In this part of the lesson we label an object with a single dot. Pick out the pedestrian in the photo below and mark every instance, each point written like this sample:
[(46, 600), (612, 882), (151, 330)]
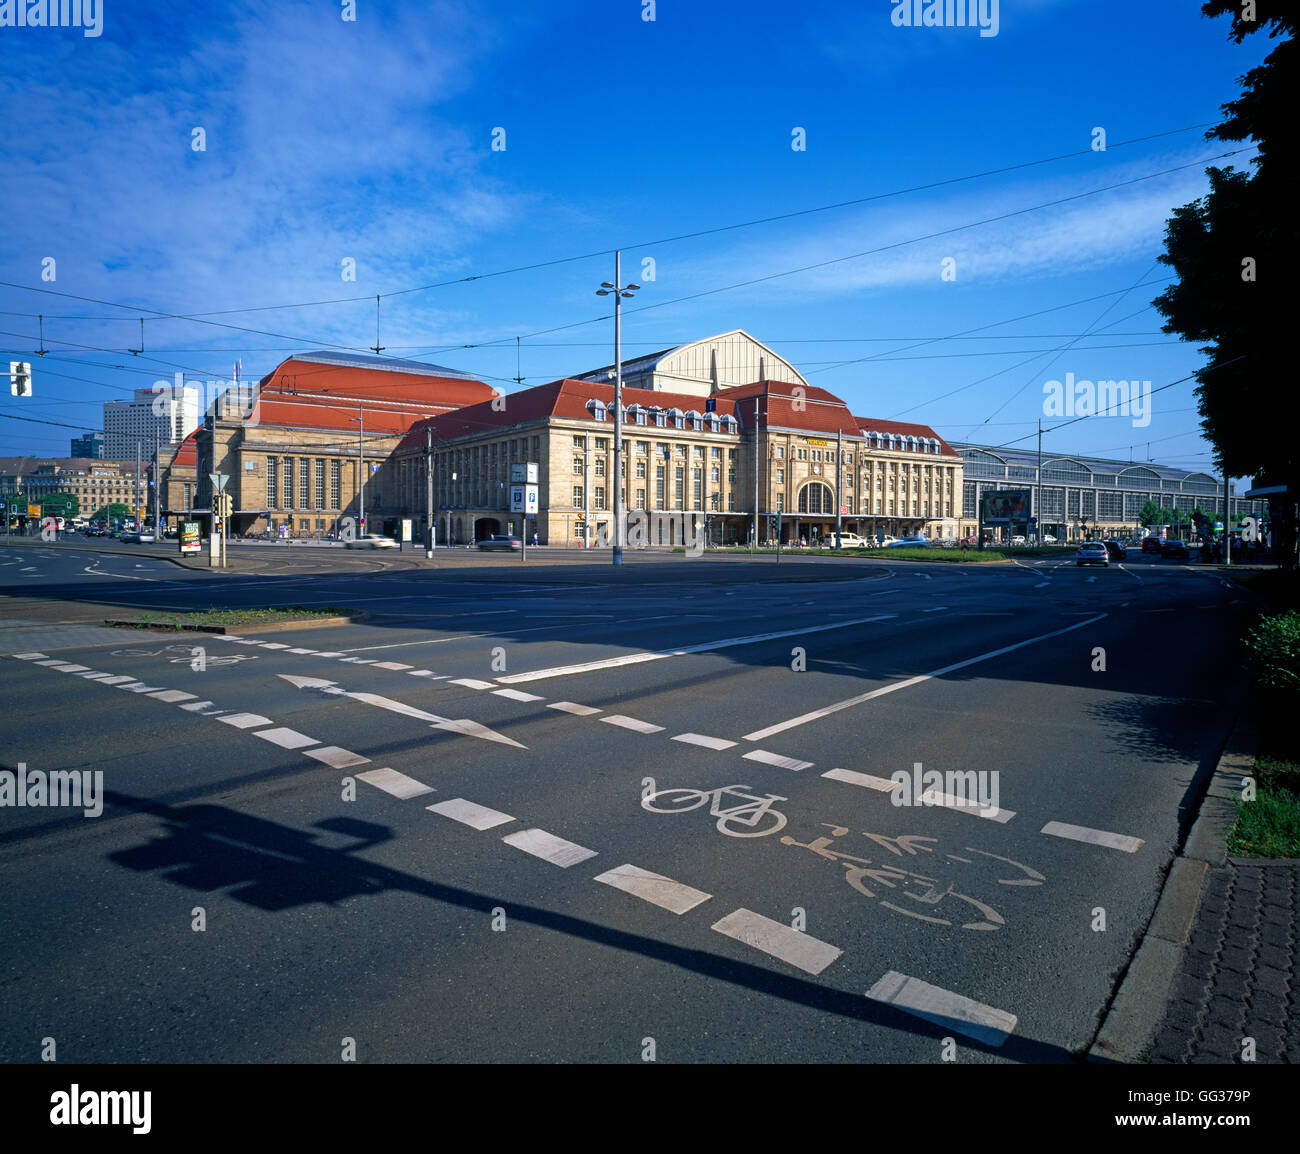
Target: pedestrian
[(534, 537)]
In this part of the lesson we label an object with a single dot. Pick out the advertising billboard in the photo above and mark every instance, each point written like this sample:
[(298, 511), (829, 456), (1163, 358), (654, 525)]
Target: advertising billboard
[(1004, 507), (190, 537)]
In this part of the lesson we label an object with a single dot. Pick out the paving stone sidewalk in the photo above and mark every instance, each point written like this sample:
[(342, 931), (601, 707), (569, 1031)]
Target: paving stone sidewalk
[(1238, 977)]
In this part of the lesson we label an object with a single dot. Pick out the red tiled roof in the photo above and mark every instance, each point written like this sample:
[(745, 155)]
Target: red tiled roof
[(187, 453), (905, 429)]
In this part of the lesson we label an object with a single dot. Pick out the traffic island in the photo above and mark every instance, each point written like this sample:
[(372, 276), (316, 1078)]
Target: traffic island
[(241, 620)]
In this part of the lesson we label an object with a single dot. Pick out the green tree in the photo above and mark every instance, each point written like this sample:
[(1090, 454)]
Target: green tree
[(60, 505), (1151, 514), (1233, 251)]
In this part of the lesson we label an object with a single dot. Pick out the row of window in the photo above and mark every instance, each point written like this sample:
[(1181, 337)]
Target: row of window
[(666, 418), (280, 483)]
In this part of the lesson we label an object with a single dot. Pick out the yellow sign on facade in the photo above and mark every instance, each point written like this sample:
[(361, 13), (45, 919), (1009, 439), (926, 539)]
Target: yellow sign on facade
[(33, 510), (811, 441)]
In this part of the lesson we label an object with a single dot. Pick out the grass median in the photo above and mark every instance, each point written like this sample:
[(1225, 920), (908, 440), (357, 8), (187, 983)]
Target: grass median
[(221, 618)]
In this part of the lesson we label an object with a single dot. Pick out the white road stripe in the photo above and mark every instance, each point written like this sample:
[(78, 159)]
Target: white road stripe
[(883, 784), (518, 695), (817, 714), (397, 665), (548, 847), (573, 707), (420, 673), (274, 645), (631, 723), (172, 696), (195, 706), (74, 668), (936, 609), (654, 888), (53, 663), (952, 1011), (140, 687), (358, 661), (777, 760), (95, 675), (303, 651), (245, 720), (397, 784), (467, 813), (702, 739), (776, 938), (28, 656), (659, 655), (951, 801), (119, 679), (285, 738), (472, 683), (1093, 836), (1041, 584), (322, 653), (333, 755)]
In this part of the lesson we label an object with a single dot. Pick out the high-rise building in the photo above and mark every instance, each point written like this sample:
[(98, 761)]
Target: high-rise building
[(169, 413), (90, 446)]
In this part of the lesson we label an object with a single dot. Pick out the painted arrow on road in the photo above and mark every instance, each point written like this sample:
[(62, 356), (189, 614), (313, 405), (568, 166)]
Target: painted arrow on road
[(462, 726)]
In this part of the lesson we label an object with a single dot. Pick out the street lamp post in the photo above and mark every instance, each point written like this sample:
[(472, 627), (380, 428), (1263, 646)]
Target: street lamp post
[(361, 468), (619, 291)]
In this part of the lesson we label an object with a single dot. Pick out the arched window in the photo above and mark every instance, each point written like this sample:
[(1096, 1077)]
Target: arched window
[(816, 498)]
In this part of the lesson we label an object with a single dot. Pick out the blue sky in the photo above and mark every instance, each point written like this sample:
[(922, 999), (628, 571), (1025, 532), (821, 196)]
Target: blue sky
[(371, 140)]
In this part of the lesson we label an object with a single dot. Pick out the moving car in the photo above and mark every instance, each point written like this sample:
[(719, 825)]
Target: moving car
[(885, 539), (1150, 544), (1017, 541), (512, 544), (1048, 539), (851, 541), (144, 537), (1116, 550), (1092, 553), (1175, 549), (371, 541), (909, 542)]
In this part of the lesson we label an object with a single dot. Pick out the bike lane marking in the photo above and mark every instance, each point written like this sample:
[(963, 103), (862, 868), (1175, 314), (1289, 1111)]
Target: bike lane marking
[(826, 711), (777, 760), (470, 813), (548, 847), (395, 783), (335, 756), (945, 1008), (795, 947), (675, 897), (1099, 837)]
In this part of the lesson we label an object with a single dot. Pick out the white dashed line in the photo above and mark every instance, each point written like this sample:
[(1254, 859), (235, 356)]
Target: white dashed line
[(322, 653), (518, 695), (140, 687), (1093, 836), (467, 813), (548, 847), (285, 738), (74, 668), (420, 673), (936, 609), (777, 760), (118, 679), (397, 665), (392, 782), (944, 1008), (868, 781), (473, 683), (303, 651), (950, 801), (52, 662), (654, 888), (245, 720), (702, 739), (196, 706), (173, 696), (334, 756), (574, 708), (358, 661), (28, 656), (274, 645), (631, 723), (798, 949), (1042, 584)]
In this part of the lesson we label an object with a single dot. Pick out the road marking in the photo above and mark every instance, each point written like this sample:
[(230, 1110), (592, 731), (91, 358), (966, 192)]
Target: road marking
[(518, 695), (631, 723), (654, 888), (463, 726), (336, 757), (303, 651), (195, 706), (285, 738), (951, 801), (420, 673), (936, 609), (1041, 584), (953, 1011), (472, 683), (323, 653), (245, 720), (28, 656), (867, 780), (173, 696), (573, 707), (777, 760), (274, 645), (817, 714), (94, 675), (53, 662), (359, 660), (548, 847), (467, 813), (798, 949), (397, 665), (117, 680), (705, 647), (1093, 836), (397, 784), (73, 668), (140, 687), (707, 742)]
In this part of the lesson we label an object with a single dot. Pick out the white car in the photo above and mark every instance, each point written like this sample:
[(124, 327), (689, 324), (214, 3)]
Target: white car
[(1017, 541), (1048, 539), (371, 541), (851, 541)]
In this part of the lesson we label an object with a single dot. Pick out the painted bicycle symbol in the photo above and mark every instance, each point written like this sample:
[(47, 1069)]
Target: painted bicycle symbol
[(927, 892), (186, 655), (752, 810)]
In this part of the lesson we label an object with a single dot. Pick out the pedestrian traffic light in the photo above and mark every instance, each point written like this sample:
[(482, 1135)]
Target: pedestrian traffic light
[(20, 378)]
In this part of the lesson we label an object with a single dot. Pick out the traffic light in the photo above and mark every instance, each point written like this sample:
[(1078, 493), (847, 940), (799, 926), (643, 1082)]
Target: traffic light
[(225, 506), (20, 378)]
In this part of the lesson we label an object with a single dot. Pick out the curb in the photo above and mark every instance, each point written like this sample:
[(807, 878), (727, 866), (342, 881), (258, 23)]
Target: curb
[(1140, 1002), (252, 627)]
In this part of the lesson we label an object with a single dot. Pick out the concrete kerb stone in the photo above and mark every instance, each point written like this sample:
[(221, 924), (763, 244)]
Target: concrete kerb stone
[(1142, 999)]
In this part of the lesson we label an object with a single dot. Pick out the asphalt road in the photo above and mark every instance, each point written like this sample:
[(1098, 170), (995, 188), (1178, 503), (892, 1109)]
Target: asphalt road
[(552, 704)]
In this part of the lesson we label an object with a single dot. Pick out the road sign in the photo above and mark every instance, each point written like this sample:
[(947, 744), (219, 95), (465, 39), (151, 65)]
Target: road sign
[(523, 473), (523, 499), (219, 480)]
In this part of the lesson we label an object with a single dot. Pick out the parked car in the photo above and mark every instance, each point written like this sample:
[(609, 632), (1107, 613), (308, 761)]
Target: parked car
[(371, 541), (1048, 539), (885, 539), (1150, 544), (1092, 553), (512, 544), (851, 541), (1017, 541), (1175, 549), (1116, 550)]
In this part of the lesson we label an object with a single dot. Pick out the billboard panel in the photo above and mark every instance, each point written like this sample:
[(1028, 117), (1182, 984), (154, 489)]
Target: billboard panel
[(1004, 506)]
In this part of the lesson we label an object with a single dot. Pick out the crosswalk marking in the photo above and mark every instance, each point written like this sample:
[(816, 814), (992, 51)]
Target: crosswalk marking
[(467, 813), (392, 782), (548, 847), (573, 707), (866, 780), (630, 723), (777, 760), (654, 888), (952, 1011), (336, 757), (302, 651), (140, 687), (421, 673), (274, 645), (776, 938), (1093, 836), (285, 738), (704, 740), (28, 656)]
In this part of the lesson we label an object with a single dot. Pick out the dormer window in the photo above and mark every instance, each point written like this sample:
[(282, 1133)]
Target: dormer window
[(597, 409)]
